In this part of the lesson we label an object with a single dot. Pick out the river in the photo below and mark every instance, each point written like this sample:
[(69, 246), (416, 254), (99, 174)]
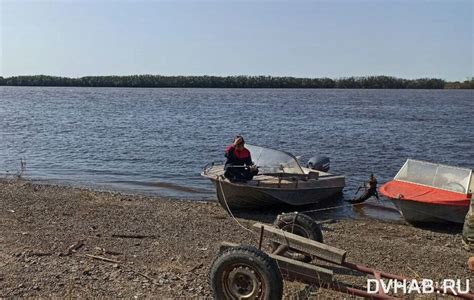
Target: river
[(156, 141)]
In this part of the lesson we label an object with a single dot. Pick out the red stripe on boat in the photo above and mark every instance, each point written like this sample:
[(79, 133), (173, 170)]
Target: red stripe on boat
[(410, 191)]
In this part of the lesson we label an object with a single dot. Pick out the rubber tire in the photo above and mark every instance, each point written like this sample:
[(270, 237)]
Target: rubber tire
[(260, 261), (309, 224)]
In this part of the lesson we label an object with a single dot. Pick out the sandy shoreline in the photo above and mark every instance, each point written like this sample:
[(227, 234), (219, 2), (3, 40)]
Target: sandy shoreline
[(173, 244)]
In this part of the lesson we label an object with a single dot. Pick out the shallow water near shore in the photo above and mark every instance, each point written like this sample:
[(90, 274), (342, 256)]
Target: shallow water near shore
[(156, 141)]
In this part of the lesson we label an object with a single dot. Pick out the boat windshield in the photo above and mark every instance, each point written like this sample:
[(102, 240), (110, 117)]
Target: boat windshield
[(435, 175), (273, 161)]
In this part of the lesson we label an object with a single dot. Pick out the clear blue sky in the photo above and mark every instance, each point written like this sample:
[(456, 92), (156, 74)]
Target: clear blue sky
[(407, 39)]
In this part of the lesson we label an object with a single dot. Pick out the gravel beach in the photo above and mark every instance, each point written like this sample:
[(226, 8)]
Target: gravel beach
[(60, 241)]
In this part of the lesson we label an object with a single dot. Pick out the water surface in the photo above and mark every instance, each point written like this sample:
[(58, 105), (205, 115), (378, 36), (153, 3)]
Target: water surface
[(156, 141)]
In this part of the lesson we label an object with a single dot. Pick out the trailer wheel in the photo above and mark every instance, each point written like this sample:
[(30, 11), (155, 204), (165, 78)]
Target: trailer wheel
[(245, 272), (302, 225)]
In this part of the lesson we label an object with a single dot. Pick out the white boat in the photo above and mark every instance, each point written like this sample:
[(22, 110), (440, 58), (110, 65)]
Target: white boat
[(281, 181), (430, 193)]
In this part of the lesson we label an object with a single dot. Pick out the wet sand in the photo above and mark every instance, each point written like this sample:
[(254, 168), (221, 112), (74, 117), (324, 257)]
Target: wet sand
[(158, 247)]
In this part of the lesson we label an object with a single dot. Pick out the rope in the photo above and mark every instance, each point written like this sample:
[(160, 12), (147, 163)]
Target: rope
[(219, 178), (228, 208), (424, 212), (330, 208), (305, 211)]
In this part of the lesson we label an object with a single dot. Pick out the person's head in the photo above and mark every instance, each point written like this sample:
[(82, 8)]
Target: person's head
[(239, 142)]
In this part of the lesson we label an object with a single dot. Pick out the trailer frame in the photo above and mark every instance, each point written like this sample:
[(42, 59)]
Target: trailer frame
[(294, 270)]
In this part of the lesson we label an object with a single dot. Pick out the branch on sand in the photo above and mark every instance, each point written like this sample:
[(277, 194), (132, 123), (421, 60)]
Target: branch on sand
[(103, 258), (105, 251), (132, 236), (152, 280), (73, 248)]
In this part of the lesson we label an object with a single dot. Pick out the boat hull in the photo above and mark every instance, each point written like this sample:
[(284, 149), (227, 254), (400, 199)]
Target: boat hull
[(422, 212), (244, 196)]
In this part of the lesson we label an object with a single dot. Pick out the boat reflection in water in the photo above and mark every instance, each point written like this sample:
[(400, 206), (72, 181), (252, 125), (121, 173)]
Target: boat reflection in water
[(281, 181)]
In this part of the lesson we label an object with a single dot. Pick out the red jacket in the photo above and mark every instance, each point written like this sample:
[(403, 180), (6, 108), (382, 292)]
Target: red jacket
[(236, 157)]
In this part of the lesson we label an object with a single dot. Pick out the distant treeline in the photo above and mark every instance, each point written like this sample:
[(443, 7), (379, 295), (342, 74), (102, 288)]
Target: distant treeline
[(467, 84), (159, 81)]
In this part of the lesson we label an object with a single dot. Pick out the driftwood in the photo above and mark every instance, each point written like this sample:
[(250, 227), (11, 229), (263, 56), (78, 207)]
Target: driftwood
[(198, 266), (38, 253), (132, 236), (102, 258), (73, 248), (153, 280), (110, 252)]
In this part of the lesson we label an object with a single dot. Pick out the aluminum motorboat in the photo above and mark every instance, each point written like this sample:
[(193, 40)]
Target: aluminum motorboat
[(281, 181)]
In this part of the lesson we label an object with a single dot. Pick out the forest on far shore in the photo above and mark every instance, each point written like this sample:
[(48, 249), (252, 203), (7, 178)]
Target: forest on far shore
[(160, 81)]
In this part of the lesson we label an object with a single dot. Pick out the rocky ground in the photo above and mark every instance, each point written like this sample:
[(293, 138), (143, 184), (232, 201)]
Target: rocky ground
[(58, 241)]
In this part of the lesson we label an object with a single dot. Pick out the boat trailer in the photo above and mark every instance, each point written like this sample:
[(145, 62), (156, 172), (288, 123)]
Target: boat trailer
[(245, 272)]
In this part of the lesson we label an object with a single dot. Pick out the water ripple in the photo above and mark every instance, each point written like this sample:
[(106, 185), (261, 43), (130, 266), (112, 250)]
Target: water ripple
[(156, 141)]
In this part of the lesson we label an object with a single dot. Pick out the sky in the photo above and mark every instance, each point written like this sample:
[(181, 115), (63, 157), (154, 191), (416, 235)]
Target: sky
[(409, 39)]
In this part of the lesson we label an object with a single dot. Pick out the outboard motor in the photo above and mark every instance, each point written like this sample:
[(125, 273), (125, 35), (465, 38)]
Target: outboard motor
[(319, 163)]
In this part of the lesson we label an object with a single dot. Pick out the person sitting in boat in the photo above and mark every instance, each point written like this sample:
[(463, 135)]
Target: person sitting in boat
[(239, 165)]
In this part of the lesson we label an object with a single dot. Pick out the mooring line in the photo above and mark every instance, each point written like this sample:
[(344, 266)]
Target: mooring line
[(228, 208)]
